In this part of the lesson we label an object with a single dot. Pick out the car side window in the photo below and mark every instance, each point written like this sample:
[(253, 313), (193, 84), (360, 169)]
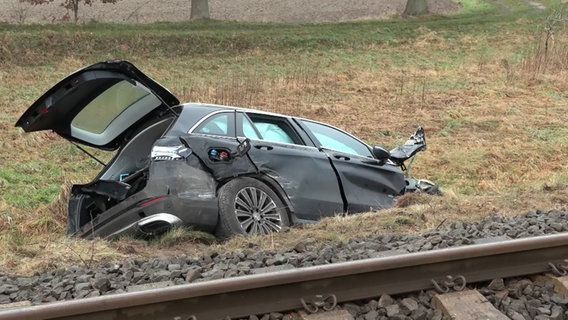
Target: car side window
[(333, 138), (248, 128), (217, 125), (273, 129)]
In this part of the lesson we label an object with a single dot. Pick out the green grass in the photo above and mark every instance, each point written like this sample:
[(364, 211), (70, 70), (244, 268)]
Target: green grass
[(22, 188), (495, 127), (229, 39), (557, 134), (477, 7)]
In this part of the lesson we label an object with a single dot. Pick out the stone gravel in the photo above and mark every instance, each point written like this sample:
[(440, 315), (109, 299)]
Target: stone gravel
[(521, 299)]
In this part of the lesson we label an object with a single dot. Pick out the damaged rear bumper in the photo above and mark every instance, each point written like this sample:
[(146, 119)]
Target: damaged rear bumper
[(177, 193)]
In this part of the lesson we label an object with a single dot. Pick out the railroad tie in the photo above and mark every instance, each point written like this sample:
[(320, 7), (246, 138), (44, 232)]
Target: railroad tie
[(560, 283), (327, 315), (467, 305)]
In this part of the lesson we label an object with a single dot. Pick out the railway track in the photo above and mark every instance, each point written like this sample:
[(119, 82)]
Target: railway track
[(321, 288)]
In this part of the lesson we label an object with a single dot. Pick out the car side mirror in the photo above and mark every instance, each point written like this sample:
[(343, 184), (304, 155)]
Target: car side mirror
[(381, 153)]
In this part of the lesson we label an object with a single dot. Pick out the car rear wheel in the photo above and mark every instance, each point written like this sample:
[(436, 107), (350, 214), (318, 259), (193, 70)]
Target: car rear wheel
[(248, 206)]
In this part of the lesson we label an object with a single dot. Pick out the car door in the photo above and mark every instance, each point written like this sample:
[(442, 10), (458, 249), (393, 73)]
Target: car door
[(367, 183), (304, 172)]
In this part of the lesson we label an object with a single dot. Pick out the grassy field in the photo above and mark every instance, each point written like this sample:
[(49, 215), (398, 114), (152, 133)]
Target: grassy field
[(488, 84)]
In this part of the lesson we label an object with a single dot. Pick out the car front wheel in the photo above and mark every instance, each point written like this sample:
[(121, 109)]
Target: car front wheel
[(248, 206)]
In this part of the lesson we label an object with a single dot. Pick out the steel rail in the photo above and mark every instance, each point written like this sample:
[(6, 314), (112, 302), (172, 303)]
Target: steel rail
[(284, 290)]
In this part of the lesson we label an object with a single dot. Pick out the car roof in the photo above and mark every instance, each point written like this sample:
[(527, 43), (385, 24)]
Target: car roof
[(218, 107), (194, 112), (209, 108)]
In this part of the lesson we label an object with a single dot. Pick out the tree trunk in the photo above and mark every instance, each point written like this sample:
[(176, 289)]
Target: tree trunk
[(415, 7), (76, 10), (199, 9)]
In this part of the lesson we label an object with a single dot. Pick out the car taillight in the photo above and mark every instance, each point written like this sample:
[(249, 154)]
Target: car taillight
[(160, 153)]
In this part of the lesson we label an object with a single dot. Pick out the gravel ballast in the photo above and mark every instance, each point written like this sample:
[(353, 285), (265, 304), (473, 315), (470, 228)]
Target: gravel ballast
[(520, 299)]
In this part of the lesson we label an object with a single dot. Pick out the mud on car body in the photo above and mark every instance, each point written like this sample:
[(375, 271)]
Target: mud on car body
[(215, 168)]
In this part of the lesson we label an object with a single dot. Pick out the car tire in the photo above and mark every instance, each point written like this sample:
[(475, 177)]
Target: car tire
[(248, 206)]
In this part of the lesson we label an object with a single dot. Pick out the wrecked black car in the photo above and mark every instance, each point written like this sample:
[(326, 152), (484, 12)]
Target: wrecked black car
[(215, 168)]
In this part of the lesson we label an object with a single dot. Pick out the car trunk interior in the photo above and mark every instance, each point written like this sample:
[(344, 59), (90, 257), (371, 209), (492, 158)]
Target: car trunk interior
[(136, 154), (125, 175)]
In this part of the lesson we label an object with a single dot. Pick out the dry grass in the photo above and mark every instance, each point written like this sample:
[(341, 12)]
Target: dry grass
[(495, 123), (55, 251)]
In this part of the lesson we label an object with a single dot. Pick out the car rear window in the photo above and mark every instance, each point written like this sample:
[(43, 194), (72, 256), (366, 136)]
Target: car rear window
[(107, 106)]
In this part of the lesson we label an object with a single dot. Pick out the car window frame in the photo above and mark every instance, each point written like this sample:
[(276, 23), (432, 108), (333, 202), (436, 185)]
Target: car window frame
[(319, 145), (241, 117), (297, 138), (231, 132)]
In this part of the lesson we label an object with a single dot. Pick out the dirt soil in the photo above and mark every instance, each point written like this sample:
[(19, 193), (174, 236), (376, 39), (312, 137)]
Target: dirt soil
[(145, 11)]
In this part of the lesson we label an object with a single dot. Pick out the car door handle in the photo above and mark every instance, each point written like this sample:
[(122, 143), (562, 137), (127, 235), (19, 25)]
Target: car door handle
[(340, 156), (373, 162), (261, 146)]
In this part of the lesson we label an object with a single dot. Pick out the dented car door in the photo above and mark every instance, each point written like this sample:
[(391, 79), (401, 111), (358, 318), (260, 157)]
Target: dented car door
[(366, 182), (304, 173)]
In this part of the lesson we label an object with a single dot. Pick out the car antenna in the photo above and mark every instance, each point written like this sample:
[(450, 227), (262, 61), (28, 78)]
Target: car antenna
[(89, 154)]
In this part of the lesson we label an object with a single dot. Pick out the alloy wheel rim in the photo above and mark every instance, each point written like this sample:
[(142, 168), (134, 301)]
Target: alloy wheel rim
[(256, 212)]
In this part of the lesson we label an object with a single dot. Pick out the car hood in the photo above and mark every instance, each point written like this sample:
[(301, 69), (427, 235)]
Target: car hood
[(99, 105)]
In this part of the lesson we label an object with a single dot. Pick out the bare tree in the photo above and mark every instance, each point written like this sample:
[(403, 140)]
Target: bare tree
[(199, 9), (70, 5), (20, 12), (415, 7)]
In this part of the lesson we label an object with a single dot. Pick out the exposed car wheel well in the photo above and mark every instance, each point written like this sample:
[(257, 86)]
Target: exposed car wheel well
[(279, 192)]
